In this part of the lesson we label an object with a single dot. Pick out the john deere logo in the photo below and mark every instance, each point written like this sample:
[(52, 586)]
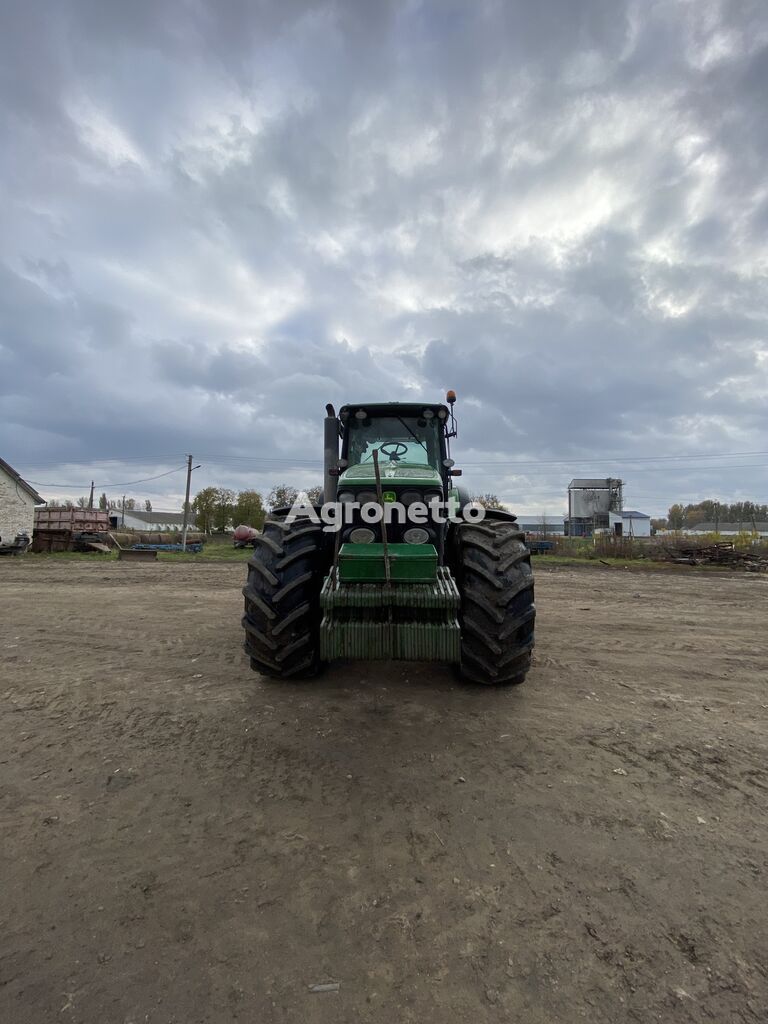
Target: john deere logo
[(389, 496)]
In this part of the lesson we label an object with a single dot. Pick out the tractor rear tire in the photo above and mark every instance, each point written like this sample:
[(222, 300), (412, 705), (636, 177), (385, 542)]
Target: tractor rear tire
[(282, 599), (497, 610)]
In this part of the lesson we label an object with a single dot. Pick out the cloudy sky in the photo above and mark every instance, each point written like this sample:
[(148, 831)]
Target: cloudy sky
[(215, 217)]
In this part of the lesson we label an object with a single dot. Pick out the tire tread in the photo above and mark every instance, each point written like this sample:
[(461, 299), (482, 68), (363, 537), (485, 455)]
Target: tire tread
[(282, 599), (497, 602)]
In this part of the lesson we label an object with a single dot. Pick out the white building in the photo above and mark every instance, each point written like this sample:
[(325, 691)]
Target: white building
[(17, 504), (629, 524), (729, 529), (149, 522)]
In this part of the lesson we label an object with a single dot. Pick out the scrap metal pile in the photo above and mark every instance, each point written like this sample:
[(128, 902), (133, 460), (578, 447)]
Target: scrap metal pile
[(723, 553)]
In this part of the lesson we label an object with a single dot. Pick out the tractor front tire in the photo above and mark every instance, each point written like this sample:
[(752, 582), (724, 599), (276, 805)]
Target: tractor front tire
[(497, 610), (282, 599)]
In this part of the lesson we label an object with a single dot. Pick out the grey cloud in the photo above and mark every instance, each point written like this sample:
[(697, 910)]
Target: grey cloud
[(219, 216)]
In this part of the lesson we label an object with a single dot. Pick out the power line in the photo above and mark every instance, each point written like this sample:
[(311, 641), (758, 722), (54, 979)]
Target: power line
[(568, 461), (148, 459), (287, 459), (259, 458), (511, 462), (128, 483), (613, 460), (485, 470), (649, 469), (534, 468)]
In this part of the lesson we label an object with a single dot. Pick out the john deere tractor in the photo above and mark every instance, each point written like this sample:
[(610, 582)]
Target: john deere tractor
[(394, 562)]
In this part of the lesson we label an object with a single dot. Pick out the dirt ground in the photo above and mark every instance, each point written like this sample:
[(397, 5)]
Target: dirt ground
[(185, 842)]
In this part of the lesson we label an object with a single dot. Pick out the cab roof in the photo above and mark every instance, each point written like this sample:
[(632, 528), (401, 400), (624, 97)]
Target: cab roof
[(392, 408)]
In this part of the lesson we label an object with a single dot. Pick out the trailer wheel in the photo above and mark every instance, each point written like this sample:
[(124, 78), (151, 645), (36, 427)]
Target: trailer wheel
[(497, 610), (282, 599)]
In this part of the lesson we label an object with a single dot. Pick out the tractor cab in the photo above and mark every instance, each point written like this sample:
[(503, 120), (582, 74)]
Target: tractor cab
[(410, 439), (400, 448)]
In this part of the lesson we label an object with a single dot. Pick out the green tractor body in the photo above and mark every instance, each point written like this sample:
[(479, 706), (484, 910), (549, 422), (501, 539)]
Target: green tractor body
[(395, 563)]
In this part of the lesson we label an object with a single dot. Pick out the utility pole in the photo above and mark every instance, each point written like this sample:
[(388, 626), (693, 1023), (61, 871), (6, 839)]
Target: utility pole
[(90, 500), (186, 505), (123, 519)]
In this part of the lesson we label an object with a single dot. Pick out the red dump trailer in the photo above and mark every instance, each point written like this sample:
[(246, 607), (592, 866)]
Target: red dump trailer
[(69, 529)]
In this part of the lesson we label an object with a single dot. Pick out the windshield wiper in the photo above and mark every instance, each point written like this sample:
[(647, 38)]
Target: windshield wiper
[(414, 436)]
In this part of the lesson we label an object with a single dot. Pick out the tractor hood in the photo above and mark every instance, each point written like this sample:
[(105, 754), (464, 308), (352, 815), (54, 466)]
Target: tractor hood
[(392, 474)]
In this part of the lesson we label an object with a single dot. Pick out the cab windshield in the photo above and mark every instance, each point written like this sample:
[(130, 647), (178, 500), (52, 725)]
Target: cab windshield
[(410, 440)]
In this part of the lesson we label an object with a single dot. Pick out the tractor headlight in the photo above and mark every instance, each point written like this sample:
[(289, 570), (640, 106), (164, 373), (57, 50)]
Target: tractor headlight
[(362, 535), (415, 536), (411, 497)]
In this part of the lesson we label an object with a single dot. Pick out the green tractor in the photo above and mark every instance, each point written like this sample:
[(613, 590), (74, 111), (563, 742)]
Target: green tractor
[(394, 562)]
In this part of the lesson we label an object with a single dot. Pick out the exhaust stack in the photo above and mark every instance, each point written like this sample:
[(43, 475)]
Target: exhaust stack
[(330, 454)]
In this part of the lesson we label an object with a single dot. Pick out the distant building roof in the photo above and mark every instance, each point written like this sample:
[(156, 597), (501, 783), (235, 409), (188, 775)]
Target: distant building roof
[(627, 514), (154, 516), (593, 483), (744, 527), (38, 500)]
